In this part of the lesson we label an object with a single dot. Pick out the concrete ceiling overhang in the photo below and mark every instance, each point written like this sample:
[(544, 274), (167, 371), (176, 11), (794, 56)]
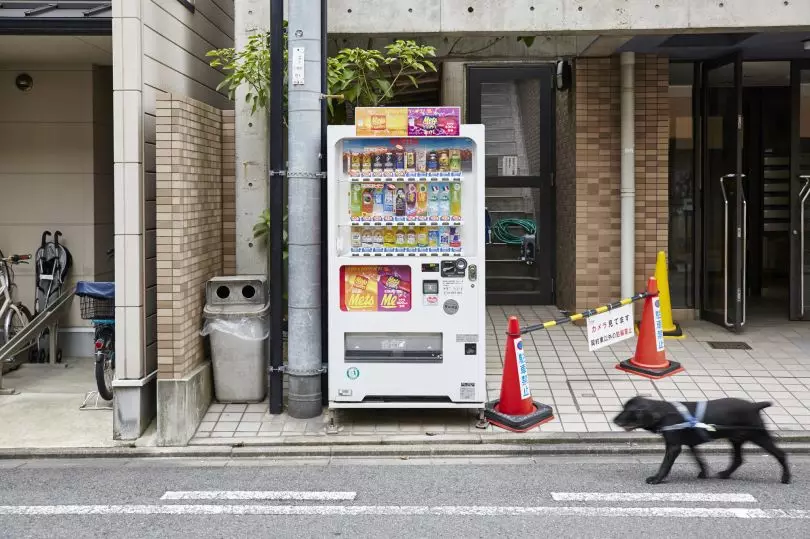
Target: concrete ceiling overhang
[(751, 45)]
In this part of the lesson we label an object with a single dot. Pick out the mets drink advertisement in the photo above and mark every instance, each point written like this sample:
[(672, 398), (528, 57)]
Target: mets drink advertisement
[(375, 288)]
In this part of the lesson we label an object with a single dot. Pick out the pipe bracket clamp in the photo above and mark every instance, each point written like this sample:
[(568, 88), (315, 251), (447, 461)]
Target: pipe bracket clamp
[(304, 174), (309, 372)]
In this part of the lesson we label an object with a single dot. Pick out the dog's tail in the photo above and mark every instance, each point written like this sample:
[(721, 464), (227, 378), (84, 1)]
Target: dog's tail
[(762, 405)]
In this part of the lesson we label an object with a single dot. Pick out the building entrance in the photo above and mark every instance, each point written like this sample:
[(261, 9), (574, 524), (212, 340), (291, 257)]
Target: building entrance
[(755, 143)]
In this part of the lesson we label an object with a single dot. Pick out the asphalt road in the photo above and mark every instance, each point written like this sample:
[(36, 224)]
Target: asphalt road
[(516, 497)]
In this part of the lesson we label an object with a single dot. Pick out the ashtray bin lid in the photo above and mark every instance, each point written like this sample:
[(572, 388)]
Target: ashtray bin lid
[(236, 311)]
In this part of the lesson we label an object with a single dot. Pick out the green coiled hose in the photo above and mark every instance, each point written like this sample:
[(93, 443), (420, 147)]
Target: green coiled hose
[(500, 230)]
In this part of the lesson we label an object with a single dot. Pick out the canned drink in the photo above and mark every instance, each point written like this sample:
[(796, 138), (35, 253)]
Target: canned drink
[(357, 241), (388, 163)]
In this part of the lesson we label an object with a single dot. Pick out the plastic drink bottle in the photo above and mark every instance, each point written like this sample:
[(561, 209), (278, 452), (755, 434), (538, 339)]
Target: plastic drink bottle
[(444, 201), (422, 237), (357, 200), (455, 199), (410, 200), (422, 200), (433, 202), (411, 238)]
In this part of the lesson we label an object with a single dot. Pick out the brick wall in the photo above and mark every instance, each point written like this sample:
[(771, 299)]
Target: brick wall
[(652, 163), (189, 226), (596, 196), (228, 193)]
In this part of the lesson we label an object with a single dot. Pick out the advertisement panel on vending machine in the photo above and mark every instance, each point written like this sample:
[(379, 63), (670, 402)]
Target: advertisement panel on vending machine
[(406, 260)]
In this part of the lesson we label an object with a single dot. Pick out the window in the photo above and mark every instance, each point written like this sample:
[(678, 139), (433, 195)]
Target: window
[(681, 186)]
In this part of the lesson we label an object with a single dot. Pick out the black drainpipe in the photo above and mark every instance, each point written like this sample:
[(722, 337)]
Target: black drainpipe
[(276, 179)]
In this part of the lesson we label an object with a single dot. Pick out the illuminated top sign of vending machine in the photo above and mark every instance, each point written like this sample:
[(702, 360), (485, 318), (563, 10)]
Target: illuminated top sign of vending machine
[(406, 260)]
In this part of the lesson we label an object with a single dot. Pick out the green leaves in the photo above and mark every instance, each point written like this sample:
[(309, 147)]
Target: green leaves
[(369, 77), (262, 230), (365, 77)]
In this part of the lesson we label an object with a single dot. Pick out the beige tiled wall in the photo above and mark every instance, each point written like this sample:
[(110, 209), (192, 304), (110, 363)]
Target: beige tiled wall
[(596, 196), (189, 208), (56, 169)]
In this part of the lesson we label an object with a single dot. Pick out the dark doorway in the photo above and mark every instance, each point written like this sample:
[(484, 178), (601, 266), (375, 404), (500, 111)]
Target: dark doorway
[(516, 106)]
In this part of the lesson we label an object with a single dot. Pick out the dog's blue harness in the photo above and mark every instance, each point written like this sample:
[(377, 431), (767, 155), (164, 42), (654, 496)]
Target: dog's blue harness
[(690, 421)]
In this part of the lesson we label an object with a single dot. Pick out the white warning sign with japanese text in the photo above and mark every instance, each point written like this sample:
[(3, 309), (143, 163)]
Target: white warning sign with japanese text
[(610, 327), (659, 324), (523, 371)]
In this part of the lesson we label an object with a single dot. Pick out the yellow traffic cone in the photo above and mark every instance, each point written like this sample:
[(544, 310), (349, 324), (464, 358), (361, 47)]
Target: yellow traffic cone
[(672, 329)]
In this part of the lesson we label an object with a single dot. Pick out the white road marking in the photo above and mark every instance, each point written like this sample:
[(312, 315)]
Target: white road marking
[(257, 495), (398, 510), (652, 497)]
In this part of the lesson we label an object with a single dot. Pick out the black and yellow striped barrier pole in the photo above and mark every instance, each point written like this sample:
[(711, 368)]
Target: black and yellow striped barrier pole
[(586, 314)]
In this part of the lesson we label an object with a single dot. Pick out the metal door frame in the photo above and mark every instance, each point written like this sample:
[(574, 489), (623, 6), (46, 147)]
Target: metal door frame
[(544, 180), (799, 191), (735, 270)]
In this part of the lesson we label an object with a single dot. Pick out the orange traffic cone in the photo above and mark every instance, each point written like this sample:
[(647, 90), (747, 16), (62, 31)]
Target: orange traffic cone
[(650, 359), (515, 410)]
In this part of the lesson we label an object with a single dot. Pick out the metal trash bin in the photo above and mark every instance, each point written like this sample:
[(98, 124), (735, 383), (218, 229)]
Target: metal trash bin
[(236, 317)]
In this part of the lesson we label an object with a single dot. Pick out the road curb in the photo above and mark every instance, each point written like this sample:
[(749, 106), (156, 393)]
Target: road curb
[(408, 446)]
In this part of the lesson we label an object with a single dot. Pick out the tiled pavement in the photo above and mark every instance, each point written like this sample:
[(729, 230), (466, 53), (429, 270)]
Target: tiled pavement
[(584, 388)]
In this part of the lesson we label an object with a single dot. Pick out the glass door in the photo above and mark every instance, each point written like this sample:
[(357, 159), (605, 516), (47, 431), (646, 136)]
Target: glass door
[(800, 194), (516, 105), (724, 206)]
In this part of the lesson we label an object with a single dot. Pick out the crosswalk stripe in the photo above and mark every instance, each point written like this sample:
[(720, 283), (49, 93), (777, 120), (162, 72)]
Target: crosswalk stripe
[(258, 495), (397, 510), (712, 497)]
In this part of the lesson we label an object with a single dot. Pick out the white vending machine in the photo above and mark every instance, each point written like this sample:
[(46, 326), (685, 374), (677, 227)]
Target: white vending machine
[(406, 233)]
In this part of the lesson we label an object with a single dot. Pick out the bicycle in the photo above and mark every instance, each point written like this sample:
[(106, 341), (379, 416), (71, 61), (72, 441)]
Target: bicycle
[(14, 316), (98, 306)]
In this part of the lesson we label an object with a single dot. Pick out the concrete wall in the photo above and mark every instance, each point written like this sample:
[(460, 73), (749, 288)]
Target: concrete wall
[(56, 171), (158, 47), (531, 17)]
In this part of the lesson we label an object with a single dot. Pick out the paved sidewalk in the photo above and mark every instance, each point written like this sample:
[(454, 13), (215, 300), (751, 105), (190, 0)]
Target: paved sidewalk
[(584, 388)]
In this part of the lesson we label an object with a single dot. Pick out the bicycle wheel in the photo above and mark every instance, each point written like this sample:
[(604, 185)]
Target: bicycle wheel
[(16, 319), (105, 363)]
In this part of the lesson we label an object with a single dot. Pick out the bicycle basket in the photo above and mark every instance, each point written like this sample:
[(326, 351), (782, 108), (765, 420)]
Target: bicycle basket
[(95, 308), (97, 300)]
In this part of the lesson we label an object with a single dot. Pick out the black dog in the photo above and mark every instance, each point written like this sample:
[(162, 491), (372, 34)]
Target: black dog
[(735, 419)]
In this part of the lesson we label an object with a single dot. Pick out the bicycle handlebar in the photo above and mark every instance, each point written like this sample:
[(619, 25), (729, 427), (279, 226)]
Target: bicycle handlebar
[(17, 259)]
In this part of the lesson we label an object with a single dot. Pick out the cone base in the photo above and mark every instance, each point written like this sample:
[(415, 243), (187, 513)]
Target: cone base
[(675, 333), (627, 366), (518, 423)]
